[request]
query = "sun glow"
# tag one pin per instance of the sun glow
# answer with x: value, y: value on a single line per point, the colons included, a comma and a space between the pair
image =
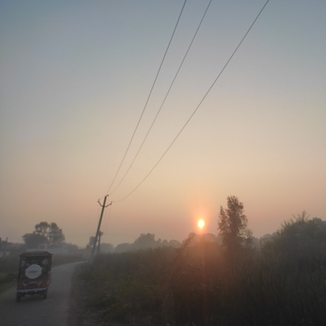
x: 201, y: 224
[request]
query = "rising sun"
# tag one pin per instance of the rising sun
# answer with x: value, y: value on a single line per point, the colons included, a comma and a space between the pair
x: 201, y: 223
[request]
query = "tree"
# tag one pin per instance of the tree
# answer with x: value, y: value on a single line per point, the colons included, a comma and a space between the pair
x: 123, y: 247
x: 106, y: 247
x: 45, y: 235
x: 232, y: 225
x: 55, y: 236
x: 90, y: 242
x: 34, y: 240
x: 300, y: 242
x: 145, y: 241
x: 303, y: 217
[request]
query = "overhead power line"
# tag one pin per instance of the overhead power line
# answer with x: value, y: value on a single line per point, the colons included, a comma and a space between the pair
x: 199, y: 104
x: 166, y: 95
x: 148, y: 97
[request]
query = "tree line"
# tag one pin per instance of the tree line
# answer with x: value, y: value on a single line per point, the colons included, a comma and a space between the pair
x: 143, y: 242
x: 45, y: 235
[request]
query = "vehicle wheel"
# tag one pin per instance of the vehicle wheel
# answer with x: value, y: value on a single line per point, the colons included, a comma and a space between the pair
x: 18, y: 297
x: 45, y: 294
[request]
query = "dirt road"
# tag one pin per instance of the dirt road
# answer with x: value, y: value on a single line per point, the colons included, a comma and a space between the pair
x: 34, y: 310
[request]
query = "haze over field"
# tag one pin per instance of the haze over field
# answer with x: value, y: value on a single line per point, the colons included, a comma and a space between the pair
x: 75, y: 77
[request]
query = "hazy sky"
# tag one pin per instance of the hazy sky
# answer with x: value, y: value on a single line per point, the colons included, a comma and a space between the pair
x: 74, y: 79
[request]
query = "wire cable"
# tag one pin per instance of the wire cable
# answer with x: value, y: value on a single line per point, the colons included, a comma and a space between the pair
x: 148, y: 97
x: 166, y: 95
x: 199, y: 104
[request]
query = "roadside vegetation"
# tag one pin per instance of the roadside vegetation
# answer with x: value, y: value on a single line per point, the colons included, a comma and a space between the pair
x: 8, y: 269
x: 280, y: 282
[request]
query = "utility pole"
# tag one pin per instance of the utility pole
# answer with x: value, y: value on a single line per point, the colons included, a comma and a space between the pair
x: 99, y: 243
x: 91, y: 258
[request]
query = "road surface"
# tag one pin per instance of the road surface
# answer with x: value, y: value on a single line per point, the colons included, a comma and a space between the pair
x: 34, y: 310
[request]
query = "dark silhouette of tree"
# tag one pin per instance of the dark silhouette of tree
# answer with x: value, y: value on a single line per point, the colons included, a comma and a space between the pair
x: 34, y: 240
x: 145, y: 241
x: 123, y: 247
x: 106, y: 247
x: 174, y: 244
x: 90, y: 242
x: 300, y: 242
x: 55, y: 236
x: 232, y: 225
x: 45, y: 235
x: 303, y: 217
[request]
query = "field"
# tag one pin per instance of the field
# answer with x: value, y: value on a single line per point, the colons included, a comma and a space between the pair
x: 200, y: 285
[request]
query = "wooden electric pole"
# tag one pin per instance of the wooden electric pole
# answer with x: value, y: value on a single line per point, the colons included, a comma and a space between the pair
x: 91, y: 258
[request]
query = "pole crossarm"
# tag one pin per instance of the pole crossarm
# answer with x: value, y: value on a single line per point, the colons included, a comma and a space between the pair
x: 103, y: 204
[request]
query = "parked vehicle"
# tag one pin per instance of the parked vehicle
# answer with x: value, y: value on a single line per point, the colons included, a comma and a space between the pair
x: 34, y: 274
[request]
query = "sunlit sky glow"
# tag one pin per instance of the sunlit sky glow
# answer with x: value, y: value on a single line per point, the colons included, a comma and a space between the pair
x: 74, y: 79
x: 201, y: 224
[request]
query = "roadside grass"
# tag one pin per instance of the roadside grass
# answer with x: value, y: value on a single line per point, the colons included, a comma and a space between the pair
x: 7, y: 280
x: 197, y: 286
x: 8, y: 271
x: 128, y: 288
